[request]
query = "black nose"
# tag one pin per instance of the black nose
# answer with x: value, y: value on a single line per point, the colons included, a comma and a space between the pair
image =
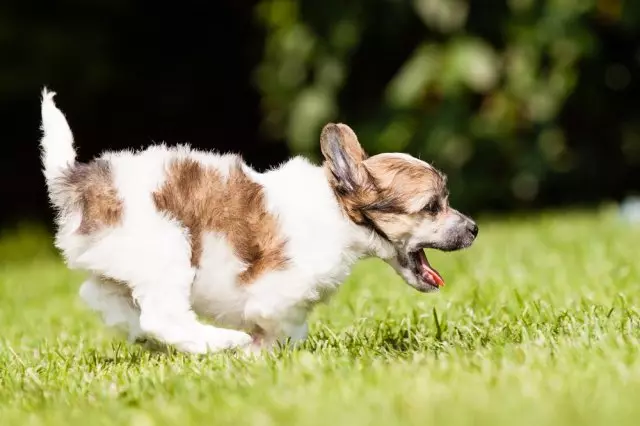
x: 473, y: 228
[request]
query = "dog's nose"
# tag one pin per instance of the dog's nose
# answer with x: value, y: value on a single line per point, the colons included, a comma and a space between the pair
x: 473, y: 228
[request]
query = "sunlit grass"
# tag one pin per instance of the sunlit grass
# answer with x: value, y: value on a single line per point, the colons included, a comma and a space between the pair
x: 538, y: 324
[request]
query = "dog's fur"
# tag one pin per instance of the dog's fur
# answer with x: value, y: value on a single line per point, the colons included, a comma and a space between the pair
x: 169, y: 233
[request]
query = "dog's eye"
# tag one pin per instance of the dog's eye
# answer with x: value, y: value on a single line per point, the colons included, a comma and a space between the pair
x: 432, y: 207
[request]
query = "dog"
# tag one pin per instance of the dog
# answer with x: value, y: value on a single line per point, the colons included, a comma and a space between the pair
x: 171, y: 234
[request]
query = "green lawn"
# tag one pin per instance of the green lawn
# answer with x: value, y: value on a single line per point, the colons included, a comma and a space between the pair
x: 538, y: 324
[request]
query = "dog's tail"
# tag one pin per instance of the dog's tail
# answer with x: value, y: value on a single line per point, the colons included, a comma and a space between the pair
x: 57, y: 152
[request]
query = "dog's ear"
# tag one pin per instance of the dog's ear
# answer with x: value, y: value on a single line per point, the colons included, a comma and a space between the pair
x: 344, y: 155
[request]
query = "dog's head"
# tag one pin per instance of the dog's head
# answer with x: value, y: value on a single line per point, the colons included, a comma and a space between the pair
x: 402, y: 199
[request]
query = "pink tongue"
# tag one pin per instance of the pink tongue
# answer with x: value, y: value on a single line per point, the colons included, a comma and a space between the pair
x: 428, y: 273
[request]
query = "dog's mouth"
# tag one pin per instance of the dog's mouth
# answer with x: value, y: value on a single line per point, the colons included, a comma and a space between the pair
x: 426, y: 273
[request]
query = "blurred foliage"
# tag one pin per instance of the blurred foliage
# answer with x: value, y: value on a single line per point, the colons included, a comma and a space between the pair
x: 480, y: 89
x: 523, y: 103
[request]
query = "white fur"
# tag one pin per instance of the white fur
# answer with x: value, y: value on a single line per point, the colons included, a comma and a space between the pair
x: 57, y: 141
x: 150, y: 252
x: 114, y: 302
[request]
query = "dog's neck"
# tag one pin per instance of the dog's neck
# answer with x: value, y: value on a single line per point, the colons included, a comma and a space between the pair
x: 302, y: 196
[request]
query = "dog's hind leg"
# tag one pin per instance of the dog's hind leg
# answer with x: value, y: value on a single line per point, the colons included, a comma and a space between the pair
x: 161, y: 310
x: 152, y: 255
x: 167, y: 316
x: 113, y: 300
x: 160, y: 275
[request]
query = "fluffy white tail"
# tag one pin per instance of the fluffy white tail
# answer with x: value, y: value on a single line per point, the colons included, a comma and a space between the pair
x: 58, y: 153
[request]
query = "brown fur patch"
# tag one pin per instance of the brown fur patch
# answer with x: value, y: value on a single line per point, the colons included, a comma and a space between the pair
x: 405, y: 184
x: 392, y: 194
x: 390, y: 185
x: 90, y: 187
x: 410, y: 191
x: 199, y: 197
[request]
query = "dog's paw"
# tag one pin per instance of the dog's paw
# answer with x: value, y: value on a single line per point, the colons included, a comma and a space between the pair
x: 218, y: 339
x: 208, y: 339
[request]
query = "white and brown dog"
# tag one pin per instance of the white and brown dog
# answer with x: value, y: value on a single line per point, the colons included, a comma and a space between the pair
x: 169, y: 233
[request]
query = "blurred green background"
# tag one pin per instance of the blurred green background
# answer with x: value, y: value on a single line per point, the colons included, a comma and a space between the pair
x: 524, y: 104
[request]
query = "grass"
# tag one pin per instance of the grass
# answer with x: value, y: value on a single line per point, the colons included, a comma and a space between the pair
x: 538, y: 324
